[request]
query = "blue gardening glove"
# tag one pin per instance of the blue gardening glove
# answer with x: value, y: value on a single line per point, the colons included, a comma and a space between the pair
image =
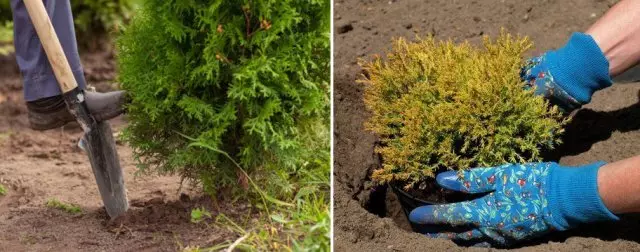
x: 570, y: 75
x: 525, y: 201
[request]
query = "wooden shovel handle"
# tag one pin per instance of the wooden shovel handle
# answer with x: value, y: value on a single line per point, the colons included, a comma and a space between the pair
x: 51, y: 44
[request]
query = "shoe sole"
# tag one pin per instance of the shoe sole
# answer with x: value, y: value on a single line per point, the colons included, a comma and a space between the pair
x: 41, y: 122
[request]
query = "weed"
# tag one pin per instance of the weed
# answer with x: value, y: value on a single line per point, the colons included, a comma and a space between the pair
x: 3, y: 191
x: 199, y: 214
x: 67, y: 207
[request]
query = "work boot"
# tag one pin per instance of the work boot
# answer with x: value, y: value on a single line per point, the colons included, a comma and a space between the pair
x: 51, y: 112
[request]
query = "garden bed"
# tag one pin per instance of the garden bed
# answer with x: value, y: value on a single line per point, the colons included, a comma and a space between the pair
x: 37, y: 166
x: 369, y: 218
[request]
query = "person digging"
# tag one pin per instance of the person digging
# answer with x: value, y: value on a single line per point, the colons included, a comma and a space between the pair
x: 545, y: 197
x: 45, y: 104
x: 54, y: 89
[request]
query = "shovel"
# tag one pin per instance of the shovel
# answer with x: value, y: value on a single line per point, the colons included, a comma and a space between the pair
x: 98, y: 139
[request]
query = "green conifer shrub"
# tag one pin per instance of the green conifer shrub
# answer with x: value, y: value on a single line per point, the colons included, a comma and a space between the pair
x: 245, y: 78
x: 440, y: 105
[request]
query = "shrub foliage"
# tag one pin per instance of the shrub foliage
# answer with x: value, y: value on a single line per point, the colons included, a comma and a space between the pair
x: 441, y: 105
x: 247, y: 78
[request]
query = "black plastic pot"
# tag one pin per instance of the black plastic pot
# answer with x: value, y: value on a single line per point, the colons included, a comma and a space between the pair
x: 409, y: 202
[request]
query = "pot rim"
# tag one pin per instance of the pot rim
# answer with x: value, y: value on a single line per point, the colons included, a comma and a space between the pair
x: 401, y: 191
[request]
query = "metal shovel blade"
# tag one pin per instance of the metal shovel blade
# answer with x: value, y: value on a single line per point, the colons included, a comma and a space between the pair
x: 98, y: 139
x: 101, y: 148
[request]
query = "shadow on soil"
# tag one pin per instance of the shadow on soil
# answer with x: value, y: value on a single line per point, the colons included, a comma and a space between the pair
x: 587, y: 128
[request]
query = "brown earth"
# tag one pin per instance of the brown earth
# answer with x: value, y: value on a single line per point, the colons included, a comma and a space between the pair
x: 607, y: 129
x: 38, y: 166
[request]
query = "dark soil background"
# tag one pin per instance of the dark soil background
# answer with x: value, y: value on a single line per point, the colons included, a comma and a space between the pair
x: 37, y: 166
x: 607, y: 129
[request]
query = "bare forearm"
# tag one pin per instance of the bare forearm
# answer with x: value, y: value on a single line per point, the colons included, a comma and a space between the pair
x: 617, y: 33
x: 618, y: 185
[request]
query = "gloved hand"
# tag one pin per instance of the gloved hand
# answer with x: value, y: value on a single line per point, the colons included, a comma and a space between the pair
x: 525, y: 201
x: 570, y: 75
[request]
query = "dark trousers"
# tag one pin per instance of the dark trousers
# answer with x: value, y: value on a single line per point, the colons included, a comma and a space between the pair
x: 39, y: 80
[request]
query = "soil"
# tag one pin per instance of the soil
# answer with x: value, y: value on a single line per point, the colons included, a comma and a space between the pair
x: 369, y: 218
x: 38, y: 166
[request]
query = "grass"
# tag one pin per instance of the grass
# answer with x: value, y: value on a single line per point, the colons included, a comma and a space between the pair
x: 302, y: 228
x: 300, y: 222
x: 3, y: 191
x: 67, y: 207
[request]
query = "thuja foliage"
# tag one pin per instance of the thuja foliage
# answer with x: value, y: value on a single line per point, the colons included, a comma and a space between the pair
x: 438, y: 105
x: 248, y: 79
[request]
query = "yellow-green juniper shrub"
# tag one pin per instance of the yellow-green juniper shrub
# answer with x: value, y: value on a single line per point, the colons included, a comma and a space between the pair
x: 439, y: 105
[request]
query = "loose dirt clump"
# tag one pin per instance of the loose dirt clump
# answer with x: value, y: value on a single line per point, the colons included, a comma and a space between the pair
x: 38, y: 166
x: 369, y: 218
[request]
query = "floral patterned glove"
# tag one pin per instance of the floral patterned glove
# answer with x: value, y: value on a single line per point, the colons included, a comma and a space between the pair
x: 525, y: 201
x: 570, y: 75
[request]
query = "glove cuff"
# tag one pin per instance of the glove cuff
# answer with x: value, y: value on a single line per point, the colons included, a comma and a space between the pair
x: 573, y: 197
x: 580, y: 67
